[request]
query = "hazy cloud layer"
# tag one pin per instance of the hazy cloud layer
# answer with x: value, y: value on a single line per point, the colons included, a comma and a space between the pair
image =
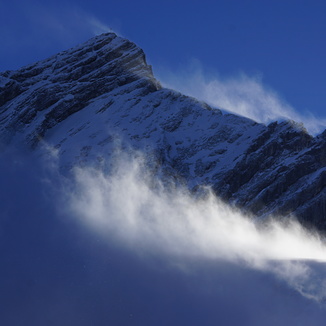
x: 159, y: 265
x: 242, y: 94
x: 132, y: 209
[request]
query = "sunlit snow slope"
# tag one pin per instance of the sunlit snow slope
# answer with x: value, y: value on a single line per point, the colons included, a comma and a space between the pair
x: 99, y: 96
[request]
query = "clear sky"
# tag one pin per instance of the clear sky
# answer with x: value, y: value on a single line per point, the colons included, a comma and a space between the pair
x: 272, y: 51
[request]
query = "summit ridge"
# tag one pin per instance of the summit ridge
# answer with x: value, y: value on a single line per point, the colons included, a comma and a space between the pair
x: 81, y: 101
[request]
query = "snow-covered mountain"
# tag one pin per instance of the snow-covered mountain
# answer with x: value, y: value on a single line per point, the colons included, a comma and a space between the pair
x: 87, y: 101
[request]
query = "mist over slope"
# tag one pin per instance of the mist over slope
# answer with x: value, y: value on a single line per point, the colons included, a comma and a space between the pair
x: 87, y: 100
x: 75, y: 257
x: 125, y: 202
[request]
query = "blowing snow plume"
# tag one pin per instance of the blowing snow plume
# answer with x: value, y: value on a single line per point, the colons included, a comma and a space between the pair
x: 242, y: 94
x: 134, y: 209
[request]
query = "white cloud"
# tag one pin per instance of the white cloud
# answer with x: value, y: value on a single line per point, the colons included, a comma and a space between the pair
x: 241, y: 94
x: 75, y: 276
x: 137, y: 211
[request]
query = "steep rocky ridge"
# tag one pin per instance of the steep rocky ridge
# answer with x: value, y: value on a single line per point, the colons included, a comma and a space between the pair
x: 39, y: 96
x: 86, y: 101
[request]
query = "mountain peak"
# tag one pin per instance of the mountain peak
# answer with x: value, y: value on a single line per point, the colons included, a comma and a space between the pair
x: 66, y: 82
x: 85, y: 100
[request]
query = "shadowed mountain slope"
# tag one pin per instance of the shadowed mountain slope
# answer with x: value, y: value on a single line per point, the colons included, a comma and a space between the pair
x: 101, y: 95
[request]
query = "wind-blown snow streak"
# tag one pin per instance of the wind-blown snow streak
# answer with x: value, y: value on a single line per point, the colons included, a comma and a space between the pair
x: 244, y: 95
x: 134, y: 209
x: 48, y: 25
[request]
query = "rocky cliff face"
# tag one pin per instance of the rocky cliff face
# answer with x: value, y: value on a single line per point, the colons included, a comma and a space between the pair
x: 86, y: 100
x: 38, y: 97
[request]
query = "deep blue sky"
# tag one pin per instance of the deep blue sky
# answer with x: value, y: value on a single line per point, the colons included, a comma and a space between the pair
x: 282, y: 41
